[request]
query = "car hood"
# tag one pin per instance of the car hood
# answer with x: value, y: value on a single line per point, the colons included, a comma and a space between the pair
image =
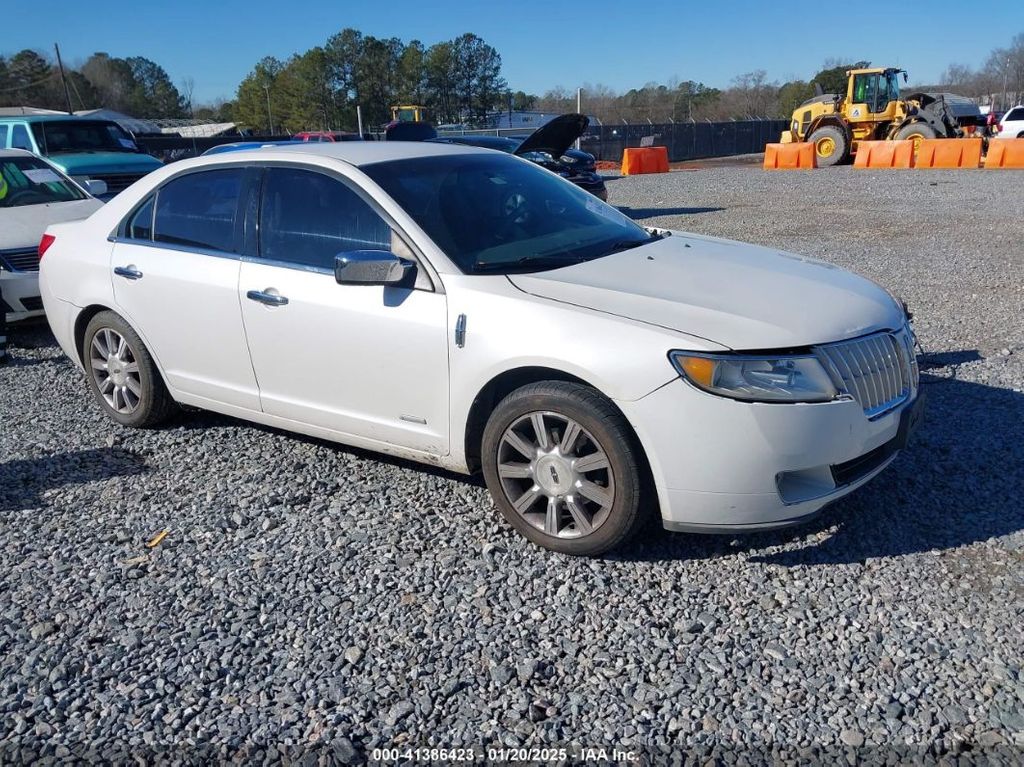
x: 87, y: 163
x: 556, y: 136
x: 743, y: 297
x: 23, y: 226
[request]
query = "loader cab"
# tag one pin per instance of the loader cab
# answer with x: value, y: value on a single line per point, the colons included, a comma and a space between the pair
x: 872, y: 95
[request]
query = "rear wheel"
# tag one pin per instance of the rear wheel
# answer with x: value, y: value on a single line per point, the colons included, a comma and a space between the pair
x: 564, y: 468
x: 831, y: 146
x: 916, y: 132
x: 122, y: 375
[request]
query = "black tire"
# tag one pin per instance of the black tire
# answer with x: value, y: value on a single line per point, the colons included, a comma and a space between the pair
x: 603, y: 428
x: 915, y: 130
x: 841, y: 146
x: 152, y: 403
x: 1021, y: 134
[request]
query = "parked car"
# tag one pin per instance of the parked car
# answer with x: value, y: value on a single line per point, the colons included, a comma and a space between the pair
x: 82, y: 148
x: 1012, y: 123
x: 237, y: 146
x: 468, y: 309
x: 550, y: 146
x: 33, y: 195
x: 329, y: 136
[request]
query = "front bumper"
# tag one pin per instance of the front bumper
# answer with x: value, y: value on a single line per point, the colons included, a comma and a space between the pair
x: 722, y: 465
x: 19, y: 295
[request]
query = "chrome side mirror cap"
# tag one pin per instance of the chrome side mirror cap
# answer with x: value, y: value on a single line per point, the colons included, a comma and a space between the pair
x: 372, y: 267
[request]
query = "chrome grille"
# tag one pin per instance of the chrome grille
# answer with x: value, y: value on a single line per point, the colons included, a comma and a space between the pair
x: 879, y: 371
x: 21, y: 260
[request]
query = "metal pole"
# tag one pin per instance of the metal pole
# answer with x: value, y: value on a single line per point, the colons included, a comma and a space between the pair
x: 579, y: 109
x: 359, y: 119
x: 270, y: 114
x: 1005, y: 70
x: 63, y: 79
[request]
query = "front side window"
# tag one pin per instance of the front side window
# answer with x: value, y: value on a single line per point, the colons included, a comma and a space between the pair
x: 4, y: 131
x: 31, y: 181
x: 1015, y: 115
x: 199, y: 210
x: 307, y: 219
x: 496, y: 213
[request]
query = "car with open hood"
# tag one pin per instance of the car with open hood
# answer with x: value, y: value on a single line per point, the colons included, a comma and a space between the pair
x: 551, y: 147
x: 33, y: 195
x: 467, y: 309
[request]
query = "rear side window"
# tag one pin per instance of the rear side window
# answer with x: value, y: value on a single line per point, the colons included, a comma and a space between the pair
x: 1015, y: 114
x: 199, y: 210
x: 4, y: 131
x: 307, y: 219
x: 20, y: 139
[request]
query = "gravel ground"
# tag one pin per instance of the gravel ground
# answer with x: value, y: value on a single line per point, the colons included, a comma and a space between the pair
x: 312, y: 599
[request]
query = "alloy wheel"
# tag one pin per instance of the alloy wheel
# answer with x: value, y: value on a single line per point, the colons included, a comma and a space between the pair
x: 115, y: 371
x: 555, y: 474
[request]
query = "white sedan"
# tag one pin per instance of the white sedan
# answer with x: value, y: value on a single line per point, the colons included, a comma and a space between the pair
x: 468, y: 309
x: 33, y: 195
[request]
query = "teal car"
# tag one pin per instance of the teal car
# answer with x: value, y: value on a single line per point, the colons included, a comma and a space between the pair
x: 81, y: 147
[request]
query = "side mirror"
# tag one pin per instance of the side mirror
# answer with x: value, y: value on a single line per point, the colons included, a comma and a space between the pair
x: 371, y: 267
x: 95, y: 186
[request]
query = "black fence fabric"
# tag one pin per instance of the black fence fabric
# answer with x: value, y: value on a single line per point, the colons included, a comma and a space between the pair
x: 685, y: 141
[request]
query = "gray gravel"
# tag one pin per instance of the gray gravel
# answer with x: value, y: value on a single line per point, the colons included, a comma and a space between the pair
x: 311, y: 598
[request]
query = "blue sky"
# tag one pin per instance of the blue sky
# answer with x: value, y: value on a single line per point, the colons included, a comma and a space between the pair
x: 543, y: 44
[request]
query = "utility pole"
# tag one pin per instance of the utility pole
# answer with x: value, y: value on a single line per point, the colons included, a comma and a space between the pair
x: 579, y: 109
x: 359, y: 119
x: 270, y: 114
x: 63, y: 79
x: 1006, y: 69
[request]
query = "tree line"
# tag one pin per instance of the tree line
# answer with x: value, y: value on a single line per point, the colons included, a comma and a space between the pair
x: 459, y: 81
x: 135, y: 86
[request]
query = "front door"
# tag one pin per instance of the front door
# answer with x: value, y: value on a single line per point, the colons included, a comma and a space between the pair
x: 175, y: 275
x: 365, y: 361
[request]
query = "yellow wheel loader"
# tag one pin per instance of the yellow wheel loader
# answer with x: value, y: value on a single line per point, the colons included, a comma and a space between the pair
x: 872, y: 109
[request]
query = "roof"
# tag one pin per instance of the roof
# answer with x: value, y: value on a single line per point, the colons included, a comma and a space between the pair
x: 17, y: 153
x: 360, y: 153
x: 57, y: 116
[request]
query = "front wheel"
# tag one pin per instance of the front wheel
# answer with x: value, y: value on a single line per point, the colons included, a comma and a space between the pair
x: 830, y: 145
x: 564, y: 468
x: 916, y: 132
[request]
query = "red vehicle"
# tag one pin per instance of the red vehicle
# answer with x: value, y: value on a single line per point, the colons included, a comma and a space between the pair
x: 321, y: 136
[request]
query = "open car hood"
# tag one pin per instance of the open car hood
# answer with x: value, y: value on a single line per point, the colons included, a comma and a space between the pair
x: 556, y: 136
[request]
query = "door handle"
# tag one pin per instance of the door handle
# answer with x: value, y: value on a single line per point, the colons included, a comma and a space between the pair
x: 265, y: 297
x: 128, y: 272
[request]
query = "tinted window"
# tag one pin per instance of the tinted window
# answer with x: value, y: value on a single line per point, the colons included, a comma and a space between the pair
x: 4, y: 130
x: 20, y: 139
x: 492, y: 212
x: 1015, y: 114
x: 140, y: 227
x: 308, y: 218
x: 62, y: 136
x: 199, y: 210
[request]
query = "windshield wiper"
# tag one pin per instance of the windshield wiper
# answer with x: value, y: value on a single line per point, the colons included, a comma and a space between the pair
x: 621, y: 245
x: 528, y: 261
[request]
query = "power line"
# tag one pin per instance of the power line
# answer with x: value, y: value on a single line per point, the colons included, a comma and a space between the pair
x: 29, y: 85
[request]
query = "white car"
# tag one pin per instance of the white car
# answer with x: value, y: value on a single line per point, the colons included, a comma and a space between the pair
x: 33, y: 195
x: 469, y: 309
x: 1012, y: 124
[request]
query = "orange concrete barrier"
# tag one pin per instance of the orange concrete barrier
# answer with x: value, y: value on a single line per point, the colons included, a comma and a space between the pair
x: 884, y: 154
x: 799, y: 156
x: 1005, y: 153
x: 949, y: 153
x: 648, y: 159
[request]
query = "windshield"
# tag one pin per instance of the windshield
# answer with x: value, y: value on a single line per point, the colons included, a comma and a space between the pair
x: 63, y: 136
x: 30, y: 181
x: 499, y: 214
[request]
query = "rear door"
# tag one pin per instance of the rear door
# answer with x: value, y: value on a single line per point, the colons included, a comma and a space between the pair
x: 175, y: 273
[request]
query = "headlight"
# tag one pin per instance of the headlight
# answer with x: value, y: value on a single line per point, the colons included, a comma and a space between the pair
x: 797, y: 378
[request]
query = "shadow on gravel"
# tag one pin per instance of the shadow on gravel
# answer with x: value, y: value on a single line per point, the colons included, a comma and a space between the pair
x: 639, y: 213
x: 958, y: 483
x: 23, y: 481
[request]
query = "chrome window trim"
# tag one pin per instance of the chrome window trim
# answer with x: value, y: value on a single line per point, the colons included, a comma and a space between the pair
x: 117, y: 240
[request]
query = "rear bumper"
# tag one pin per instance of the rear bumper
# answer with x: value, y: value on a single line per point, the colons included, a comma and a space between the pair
x: 720, y: 465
